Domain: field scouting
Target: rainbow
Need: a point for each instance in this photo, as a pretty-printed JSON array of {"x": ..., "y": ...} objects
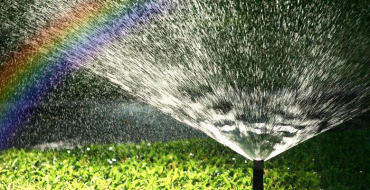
[{"x": 59, "y": 49}]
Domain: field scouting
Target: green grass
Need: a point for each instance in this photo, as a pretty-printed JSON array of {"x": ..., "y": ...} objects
[{"x": 335, "y": 160}]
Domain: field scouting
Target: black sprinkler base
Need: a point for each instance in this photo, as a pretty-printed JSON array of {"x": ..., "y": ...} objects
[{"x": 258, "y": 175}]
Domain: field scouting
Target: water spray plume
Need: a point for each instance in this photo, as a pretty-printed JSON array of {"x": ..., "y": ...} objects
[{"x": 258, "y": 77}]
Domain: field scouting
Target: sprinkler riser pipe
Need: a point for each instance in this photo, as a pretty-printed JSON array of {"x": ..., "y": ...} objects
[{"x": 258, "y": 174}]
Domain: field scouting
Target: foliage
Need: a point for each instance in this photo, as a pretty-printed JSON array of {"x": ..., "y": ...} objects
[{"x": 335, "y": 160}]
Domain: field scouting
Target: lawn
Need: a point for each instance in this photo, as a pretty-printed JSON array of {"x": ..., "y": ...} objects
[{"x": 333, "y": 160}]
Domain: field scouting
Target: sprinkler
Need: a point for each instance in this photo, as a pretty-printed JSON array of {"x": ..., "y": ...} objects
[{"x": 258, "y": 175}]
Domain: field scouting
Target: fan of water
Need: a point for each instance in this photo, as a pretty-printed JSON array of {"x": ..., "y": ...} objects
[{"x": 259, "y": 77}]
